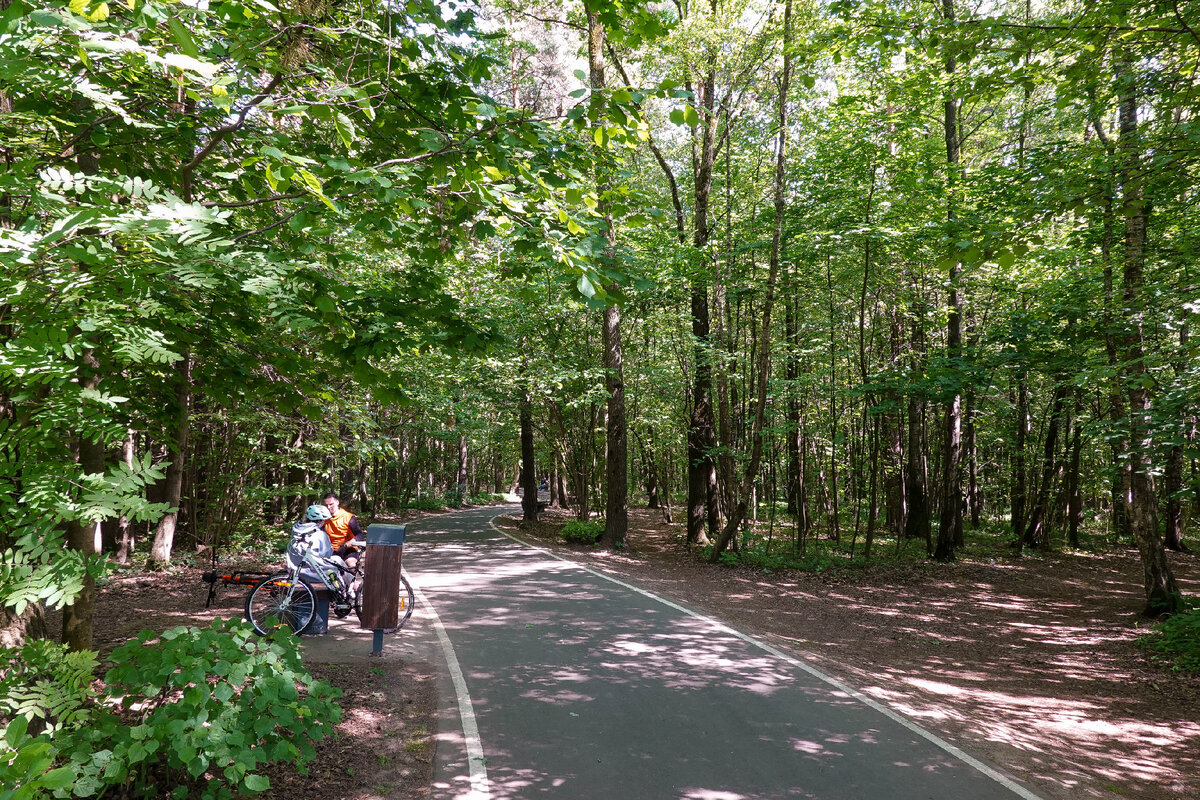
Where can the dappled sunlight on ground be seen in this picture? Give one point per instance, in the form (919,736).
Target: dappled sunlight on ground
(1030,663)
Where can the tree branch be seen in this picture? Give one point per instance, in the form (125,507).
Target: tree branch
(188,168)
(259,201)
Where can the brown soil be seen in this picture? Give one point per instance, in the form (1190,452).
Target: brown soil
(1029,663)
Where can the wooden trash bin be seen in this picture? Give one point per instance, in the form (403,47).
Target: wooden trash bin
(381,584)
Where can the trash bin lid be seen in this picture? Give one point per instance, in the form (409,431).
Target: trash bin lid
(386,535)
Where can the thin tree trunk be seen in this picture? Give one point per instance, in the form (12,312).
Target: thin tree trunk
(616,514)
(125,537)
(78,618)
(164,534)
(1020,475)
(1074,494)
(529,482)
(917,519)
(1173,476)
(461,474)
(1036,533)
(1162,595)
(763,366)
(974,496)
(792,428)
(950,528)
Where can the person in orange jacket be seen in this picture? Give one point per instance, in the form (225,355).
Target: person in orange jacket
(342,528)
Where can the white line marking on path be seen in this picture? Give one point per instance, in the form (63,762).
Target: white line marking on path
(476,763)
(969,760)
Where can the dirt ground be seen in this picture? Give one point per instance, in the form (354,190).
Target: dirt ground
(1029,663)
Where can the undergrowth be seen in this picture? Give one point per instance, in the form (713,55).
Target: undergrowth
(1175,642)
(582,531)
(192,712)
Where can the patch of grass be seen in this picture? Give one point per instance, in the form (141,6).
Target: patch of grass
(417,741)
(1176,641)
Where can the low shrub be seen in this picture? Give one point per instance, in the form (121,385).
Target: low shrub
(1176,641)
(427,503)
(192,712)
(582,531)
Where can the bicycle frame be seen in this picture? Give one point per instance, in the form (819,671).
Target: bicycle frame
(309,560)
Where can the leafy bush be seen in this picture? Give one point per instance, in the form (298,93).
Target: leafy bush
(27,764)
(47,685)
(583,531)
(753,553)
(1176,641)
(193,714)
(427,503)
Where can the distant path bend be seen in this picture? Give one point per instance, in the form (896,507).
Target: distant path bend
(562,682)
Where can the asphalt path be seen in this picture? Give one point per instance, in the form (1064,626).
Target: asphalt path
(562,683)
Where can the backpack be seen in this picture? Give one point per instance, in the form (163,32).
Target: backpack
(311,536)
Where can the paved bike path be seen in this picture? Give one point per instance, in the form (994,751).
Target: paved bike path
(561,683)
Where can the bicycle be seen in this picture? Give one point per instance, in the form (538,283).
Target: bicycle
(288,599)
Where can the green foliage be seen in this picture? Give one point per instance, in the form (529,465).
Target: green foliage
(27,765)
(43,681)
(1176,641)
(754,552)
(426,503)
(193,711)
(486,499)
(582,531)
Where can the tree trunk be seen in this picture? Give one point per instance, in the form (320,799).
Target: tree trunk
(1173,476)
(529,482)
(950,527)
(1162,595)
(616,473)
(974,496)
(164,534)
(125,537)
(1074,493)
(702,437)
(1036,533)
(461,474)
(792,428)
(16,629)
(1020,476)
(738,513)
(78,618)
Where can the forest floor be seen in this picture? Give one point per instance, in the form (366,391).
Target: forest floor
(1029,663)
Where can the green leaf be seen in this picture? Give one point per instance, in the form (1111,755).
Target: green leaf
(256,783)
(14,12)
(183,38)
(345,128)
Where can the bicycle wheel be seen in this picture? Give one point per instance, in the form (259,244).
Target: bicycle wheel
(356,592)
(407,601)
(277,601)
